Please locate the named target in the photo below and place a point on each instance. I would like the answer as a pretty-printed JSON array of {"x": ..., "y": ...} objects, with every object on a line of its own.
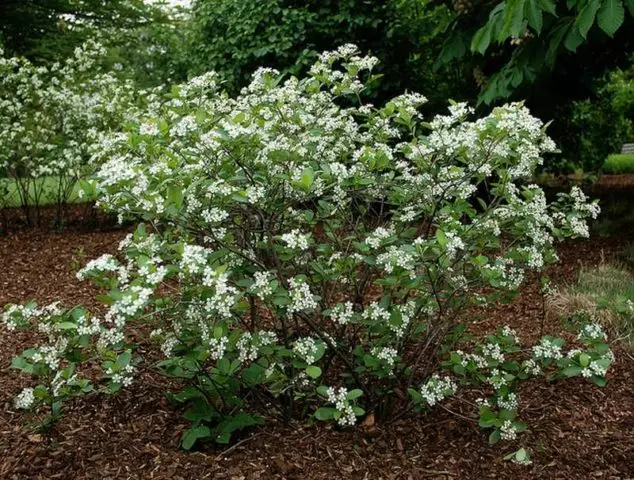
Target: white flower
[
  {"x": 342, "y": 313},
  {"x": 247, "y": 351},
  {"x": 339, "y": 398},
  {"x": 508, "y": 431},
  {"x": 437, "y": 388},
  {"x": 387, "y": 355},
  {"x": 547, "y": 349},
  {"x": 593, "y": 331},
  {"x": 296, "y": 240},
  {"x": 301, "y": 297},
  {"x": 375, "y": 238},
  {"x": 509, "y": 402},
  {"x": 262, "y": 284},
  {"x": 306, "y": 348},
  {"x": 25, "y": 399}
]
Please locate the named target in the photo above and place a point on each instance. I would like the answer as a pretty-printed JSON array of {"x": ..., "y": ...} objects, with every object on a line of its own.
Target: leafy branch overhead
[{"x": 519, "y": 40}]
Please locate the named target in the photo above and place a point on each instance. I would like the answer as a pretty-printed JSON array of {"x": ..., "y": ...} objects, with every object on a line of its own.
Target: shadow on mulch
[{"x": 576, "y": 429}]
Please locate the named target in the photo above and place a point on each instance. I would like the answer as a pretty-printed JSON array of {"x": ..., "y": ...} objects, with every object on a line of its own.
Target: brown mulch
[{"x": 576, "y": 430}]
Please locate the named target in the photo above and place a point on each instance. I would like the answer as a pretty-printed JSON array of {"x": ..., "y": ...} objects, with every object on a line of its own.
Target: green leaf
[
  {"x": 307, "y": 178},
  {"x": 441, "y": 238},
  {"x": 482, "y": 39},
  {"x": 495, "y": 437},
  {"x": 534, "y": 15},
  {"x": 240, "y": 421},
  {"x": 513, "y": 20},
  {"x": 584, "y": 360},
  {"x": 571, "y": 371},
  {"x": 325, "y": 413},
  {"x": 358, "y": 411},
  {"x": 585, "y": 20},
  {"x": 199, "y": 411},
  {"x": 66, "y": 326},
  {"x": 573, "y": 40},
  {"x": 611, "y": 16},
  {"x": 548, "y": 6},
  {"x": 322, "y": 390},
  {"x": 415, "y": 394},
  {"x": 313, "y": 371},
  {"x": 124, "y": 359},
  {"x": 555, "y": 40},
  {"x": 354, "y": 394},
  {"x": 630, "y": 6},
  {"x": 175, "y": 196},
  {"x": 487, "y": 418},
  {"x": 192, "y": 435}
]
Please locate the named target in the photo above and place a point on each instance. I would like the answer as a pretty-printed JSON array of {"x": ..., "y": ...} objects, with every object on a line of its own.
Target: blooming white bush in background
[
  {"x": 300, "y": 247},
  {"x": 53, "y": 119}
]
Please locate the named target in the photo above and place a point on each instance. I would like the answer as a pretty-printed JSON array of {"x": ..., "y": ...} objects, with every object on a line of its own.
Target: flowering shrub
[
  {"x": 306, "y": 251},
  {"x": 52, "y": 119}
]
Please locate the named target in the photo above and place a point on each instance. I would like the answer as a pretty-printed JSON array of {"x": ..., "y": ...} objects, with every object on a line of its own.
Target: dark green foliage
[
  {"x": 591, "y": 129},
  {"x": 234, "y": 37},
  {"x": 49, "y": 30},
  {"x": 522, "y": 42}
]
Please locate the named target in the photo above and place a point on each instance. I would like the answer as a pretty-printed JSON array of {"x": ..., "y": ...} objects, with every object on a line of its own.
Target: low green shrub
[{"x": 619, "y": 163}]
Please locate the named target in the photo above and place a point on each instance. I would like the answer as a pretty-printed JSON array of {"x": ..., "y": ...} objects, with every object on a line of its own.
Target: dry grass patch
[{"x": 607, "y": 291}]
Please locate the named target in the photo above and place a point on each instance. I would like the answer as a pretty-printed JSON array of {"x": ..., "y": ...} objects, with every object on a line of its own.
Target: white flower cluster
[
  {"x": 375, "y": 238},
  {"x": 531, "y": 367},
  {"x": 105, "y": 263},
  {"x": 339, "y": 397},
  {"x": 509, "y": 332},
  {"x": 508, "y": 431},
  {"x": 594, "y": 368},
  {"x": 547, "y": 349},
  {"x": 388, "y": 355},
  {"x": 454, "y": 244},
  {"x": 593, "y": 331},
  {"x": 342, "y": 313},
  {"x": 509, "y": 402},
  {"x": 194, "y": 259},
  {"x": 53, "y": 119},
  {"x": 493, "y": 351},
  {"x": 123, "y": 377},
  {"x": 301, "y": 297},
  {"x": 398, "y": 257},
  {"x": 296, "y": 239},
  {"x": 25, "y": 399},
  {"x": 437, "y": 389},
  {"x": 262, "y": 284},
  {"x": 306, "y": 348},
  {"x": 18, "y": 313},
  {"x": 247, "y": 349},
  {"x": 217, "y": 347}
]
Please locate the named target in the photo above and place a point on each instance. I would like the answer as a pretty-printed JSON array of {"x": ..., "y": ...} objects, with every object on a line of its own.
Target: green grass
[
  {"x": 619, "y": 163},
  {"x": 11, "y": 197},
  {"x": 608, "y": 292}
]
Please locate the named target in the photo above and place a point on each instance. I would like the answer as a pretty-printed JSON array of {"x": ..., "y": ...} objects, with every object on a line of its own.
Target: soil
[{"x": 576, "y": 430}]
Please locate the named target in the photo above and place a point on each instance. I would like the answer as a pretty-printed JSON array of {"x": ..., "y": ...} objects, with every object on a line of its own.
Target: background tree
[
  {"x": 49, "y": 30},
  {"x": 520, "y": 45},
  {"x": 234, "y": 37}
]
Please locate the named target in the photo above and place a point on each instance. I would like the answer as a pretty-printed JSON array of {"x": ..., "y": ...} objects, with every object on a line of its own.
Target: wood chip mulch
[{"x": 576, "y": 430}]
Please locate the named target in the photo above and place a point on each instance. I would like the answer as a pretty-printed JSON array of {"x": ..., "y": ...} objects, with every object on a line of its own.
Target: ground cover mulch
[{"x": 576, "y": 430}]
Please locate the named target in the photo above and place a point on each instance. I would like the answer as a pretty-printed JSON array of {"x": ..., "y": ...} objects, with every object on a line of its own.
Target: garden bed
[{"x": 576, "y": 429}]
